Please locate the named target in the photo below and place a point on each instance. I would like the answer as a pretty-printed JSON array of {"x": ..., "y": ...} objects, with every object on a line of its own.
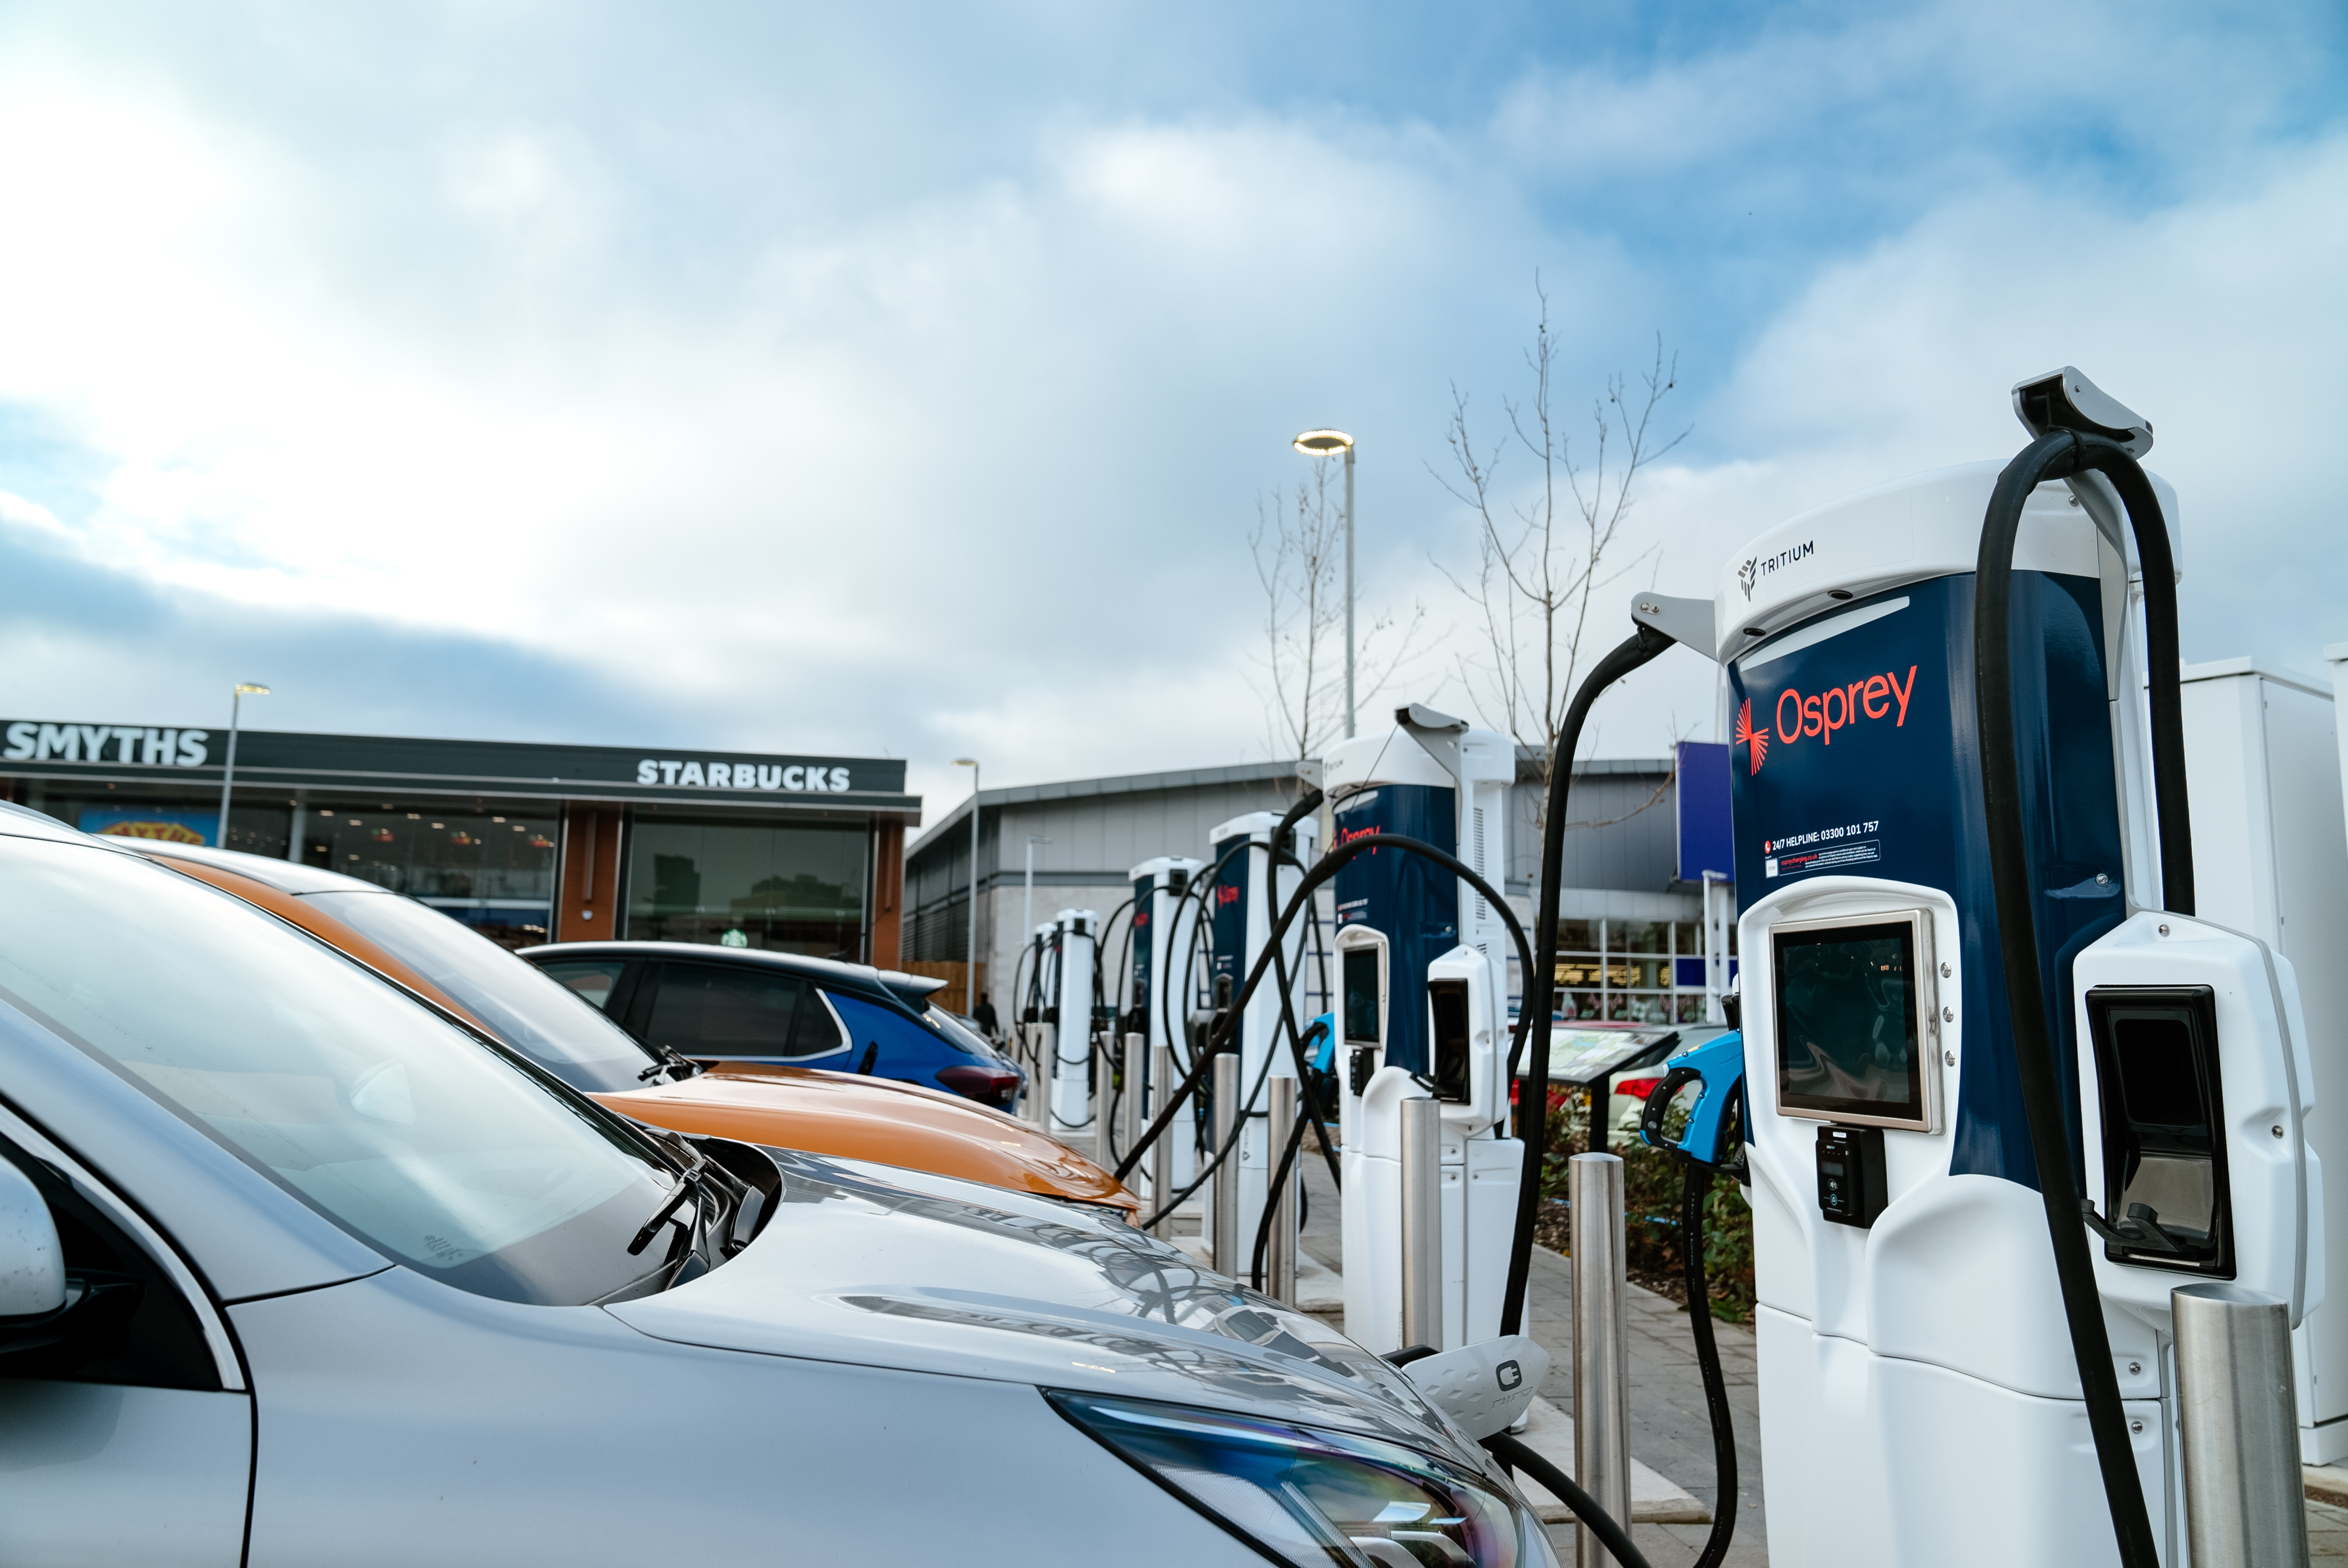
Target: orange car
[{"x": 821, "y": 1112}]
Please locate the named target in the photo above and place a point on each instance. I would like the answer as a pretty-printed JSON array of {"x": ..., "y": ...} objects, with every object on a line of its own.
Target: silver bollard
[
  {"x": 1280, "y": 1247},
  {"x": 2239, "y": 1417},
  {"x": 1131, "y": 1118},
  {"x": 1104, "y": 1093},
  {"x": 1225, "y": 1231},
  {"x": 1422, "y": 1222},
  {"x": 1602, "y": 1352},
  {"x": 1162, "y": 1080}
]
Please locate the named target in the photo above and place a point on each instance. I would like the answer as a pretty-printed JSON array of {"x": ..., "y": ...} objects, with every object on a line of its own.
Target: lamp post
[
  {"x": 970, "y": 970},
  {"x": 1027, "y": 925},
  {"x": 1322, "y": 443},
  {"x": 228, "y": 771}
]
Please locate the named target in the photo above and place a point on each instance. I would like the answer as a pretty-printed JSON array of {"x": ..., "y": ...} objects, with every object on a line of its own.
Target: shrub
[{"x": 1652, "y": 1192}]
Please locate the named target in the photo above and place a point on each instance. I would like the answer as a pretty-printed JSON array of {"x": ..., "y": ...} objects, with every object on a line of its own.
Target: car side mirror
[{"x": 32, "y": 1259}]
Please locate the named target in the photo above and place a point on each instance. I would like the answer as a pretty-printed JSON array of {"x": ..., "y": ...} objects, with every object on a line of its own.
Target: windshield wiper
[
  {"x": 678, "y": 1068},
  {"x": 718, "y": 1196}
]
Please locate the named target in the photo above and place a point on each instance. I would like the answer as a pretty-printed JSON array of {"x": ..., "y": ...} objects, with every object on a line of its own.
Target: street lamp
[
  {"x": 970, "y": 970},
  {"x": 1324, "y": 443},
  {"x": 1027, "y": 926},
  {"x": 228, "y": 773}
]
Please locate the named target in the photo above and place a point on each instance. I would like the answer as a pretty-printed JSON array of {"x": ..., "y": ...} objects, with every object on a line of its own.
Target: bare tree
[
  {"x": 1299, "y": 544},
  {"x": 1545, "y": 551}
]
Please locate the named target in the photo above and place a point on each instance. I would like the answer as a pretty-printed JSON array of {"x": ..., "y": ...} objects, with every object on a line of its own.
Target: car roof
[
  {"x": 286, "y": 876},
  {"x": 830, "y": 968},
  {"x": 24, "y": 822}
]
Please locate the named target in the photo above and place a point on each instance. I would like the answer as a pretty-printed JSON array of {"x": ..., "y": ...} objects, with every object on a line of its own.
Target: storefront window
[
  {"x": 493, "y": 870},
  {"x": 256, "y": 825},
  {"x": 784, "y": 889}
]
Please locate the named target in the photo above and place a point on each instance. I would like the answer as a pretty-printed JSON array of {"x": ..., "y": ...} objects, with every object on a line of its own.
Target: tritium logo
[{"x": 1756, "y": 568}]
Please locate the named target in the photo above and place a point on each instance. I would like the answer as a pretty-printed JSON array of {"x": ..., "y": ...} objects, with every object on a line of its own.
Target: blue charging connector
[{"x": 1719, "y": 1065}]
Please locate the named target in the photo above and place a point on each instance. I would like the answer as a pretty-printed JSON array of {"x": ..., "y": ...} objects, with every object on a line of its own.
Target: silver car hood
[{"x": 881, "y": 1267}]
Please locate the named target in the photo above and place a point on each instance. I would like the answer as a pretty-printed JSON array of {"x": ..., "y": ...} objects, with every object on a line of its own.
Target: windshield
[
  {"x": 535, "y": 1015},
  {"x": 426, "y": 1144}
]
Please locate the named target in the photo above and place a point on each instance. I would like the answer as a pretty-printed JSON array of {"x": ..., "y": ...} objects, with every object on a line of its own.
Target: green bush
[{"x": 1652, "y": 1192}]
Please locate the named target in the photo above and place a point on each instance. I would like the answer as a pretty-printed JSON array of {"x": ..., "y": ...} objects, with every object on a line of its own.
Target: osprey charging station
[
  {"x": 1166, "y": 978},
  {"x": 1421, "y": 1014},
  {"x": 1257, "y": 879},
  {"x": 2003, "y": 1092}
]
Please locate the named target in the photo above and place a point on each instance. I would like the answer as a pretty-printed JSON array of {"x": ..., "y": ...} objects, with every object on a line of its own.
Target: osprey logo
[
  {"x": 1746, "y": 735},
  {"x": 1756, "y": 568}
]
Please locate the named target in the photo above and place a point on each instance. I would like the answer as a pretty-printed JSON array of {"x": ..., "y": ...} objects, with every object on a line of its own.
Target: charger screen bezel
[{"x": 1921, "y": 1112}]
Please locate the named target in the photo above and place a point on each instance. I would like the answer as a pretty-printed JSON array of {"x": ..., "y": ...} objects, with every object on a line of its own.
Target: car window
[
  {"x": 818, "y": 1027},
  {"x": 739, "y": 1010},
  {"x": 521, "y": 1007},
  {"x": 960, "y": 1033},
  {"x": 591, "y": 980},
  {"x": 430, "y": 1146}
]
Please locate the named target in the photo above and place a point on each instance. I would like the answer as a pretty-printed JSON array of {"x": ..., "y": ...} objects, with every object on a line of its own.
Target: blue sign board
[{"x": 1707, "y": 833}]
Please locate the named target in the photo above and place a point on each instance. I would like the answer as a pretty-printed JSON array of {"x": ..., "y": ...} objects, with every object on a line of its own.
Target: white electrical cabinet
[{"x": 2263, "y": 762}]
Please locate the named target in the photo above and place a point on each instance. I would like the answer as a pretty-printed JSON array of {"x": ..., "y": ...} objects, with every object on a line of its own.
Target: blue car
[{"x": 733, "y": 1005}]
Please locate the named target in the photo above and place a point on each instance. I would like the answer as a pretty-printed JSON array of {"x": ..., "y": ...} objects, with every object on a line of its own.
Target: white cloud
[{"x": 958, "y": 455}]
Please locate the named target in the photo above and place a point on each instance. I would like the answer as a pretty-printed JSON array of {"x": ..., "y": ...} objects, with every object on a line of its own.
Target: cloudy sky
[{"x": 903, "y": 381}]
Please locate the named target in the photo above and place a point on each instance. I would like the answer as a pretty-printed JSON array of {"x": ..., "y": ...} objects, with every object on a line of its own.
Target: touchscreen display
[
  {"x": 1847, "y": 1024},
  {"x": 1362, "y": 995}
]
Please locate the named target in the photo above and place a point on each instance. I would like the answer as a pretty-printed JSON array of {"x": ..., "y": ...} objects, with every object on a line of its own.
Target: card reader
[{"x": 1850, "y": 1174}]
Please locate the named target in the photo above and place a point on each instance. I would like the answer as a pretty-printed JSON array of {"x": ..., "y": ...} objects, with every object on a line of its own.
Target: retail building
[
  {"x": 1630, "y": 932},
  {"x": 529, "y": 843}
]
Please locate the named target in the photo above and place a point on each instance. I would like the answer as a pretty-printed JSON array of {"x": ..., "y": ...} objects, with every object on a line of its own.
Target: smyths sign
[{"x": 32, "y": 742}]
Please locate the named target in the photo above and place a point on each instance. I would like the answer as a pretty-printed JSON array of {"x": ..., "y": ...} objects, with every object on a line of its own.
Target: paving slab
[{"x": 1549, "y": 1432}]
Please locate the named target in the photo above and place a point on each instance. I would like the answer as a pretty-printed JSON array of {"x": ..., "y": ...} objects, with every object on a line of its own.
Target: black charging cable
[
  {"x": 1517, "y": 1454},
  {"x": 2055, "y": 456},
  {"x": 1541, "y": 973}
]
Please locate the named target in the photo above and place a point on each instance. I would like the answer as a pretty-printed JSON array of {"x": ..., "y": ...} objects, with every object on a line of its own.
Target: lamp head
[
  {"x": 965, "y": 761},
  {"x": 1323, "y": 443},
  {"x": 251, "y": 689}
]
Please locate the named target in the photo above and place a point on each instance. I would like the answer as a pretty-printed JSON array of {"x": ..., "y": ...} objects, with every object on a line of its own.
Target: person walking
[{"x": 983, "y": 1016}]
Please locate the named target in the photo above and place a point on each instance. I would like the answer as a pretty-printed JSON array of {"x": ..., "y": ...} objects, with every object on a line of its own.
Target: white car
[{"x": 294, "y": 1271}]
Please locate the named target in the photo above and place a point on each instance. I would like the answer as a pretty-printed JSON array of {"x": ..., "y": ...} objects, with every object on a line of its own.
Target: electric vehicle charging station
[
  {"x": 1255, "y": 883},
  {"x": 1964, "y": 867},
  {"x": 1164, "y": 930},
  {"x": 1074, "y": 951},
  {"x": 1421, "y": 1013}
]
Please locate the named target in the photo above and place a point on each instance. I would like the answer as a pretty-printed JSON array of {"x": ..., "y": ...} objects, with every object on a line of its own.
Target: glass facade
[
  {"x": 493, "y": 870},
  {"x": 1632, "y": 971},
  {"x": 797, "y": 889}
]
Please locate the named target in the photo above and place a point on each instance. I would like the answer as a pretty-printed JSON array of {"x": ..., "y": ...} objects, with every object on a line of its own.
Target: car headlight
[{"x": 1311, "y": 1497}]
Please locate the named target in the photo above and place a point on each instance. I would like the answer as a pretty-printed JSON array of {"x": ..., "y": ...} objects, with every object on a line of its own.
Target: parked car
[
  {"x": 790, "y": 1107},
  {"x": 744, "y": 1005},
  {"x": 295, "y": 1270}
]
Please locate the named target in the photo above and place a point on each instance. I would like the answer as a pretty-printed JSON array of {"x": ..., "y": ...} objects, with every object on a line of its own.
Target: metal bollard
[
  {"x": 2239, "y": 1417},
  {"x": 1103, "y": 1093},
  {"x": 1602, "y": 1355},
  {"x": 1039, "y": 1064},
  {"x": 1225, "y": 1230},
  {"x": 1422, "y": 1222},
  {"x": 1132, "y": 1116},
  {"x": 1280, "y": 1247},
  {"x": 1162, "y": 1080}
]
